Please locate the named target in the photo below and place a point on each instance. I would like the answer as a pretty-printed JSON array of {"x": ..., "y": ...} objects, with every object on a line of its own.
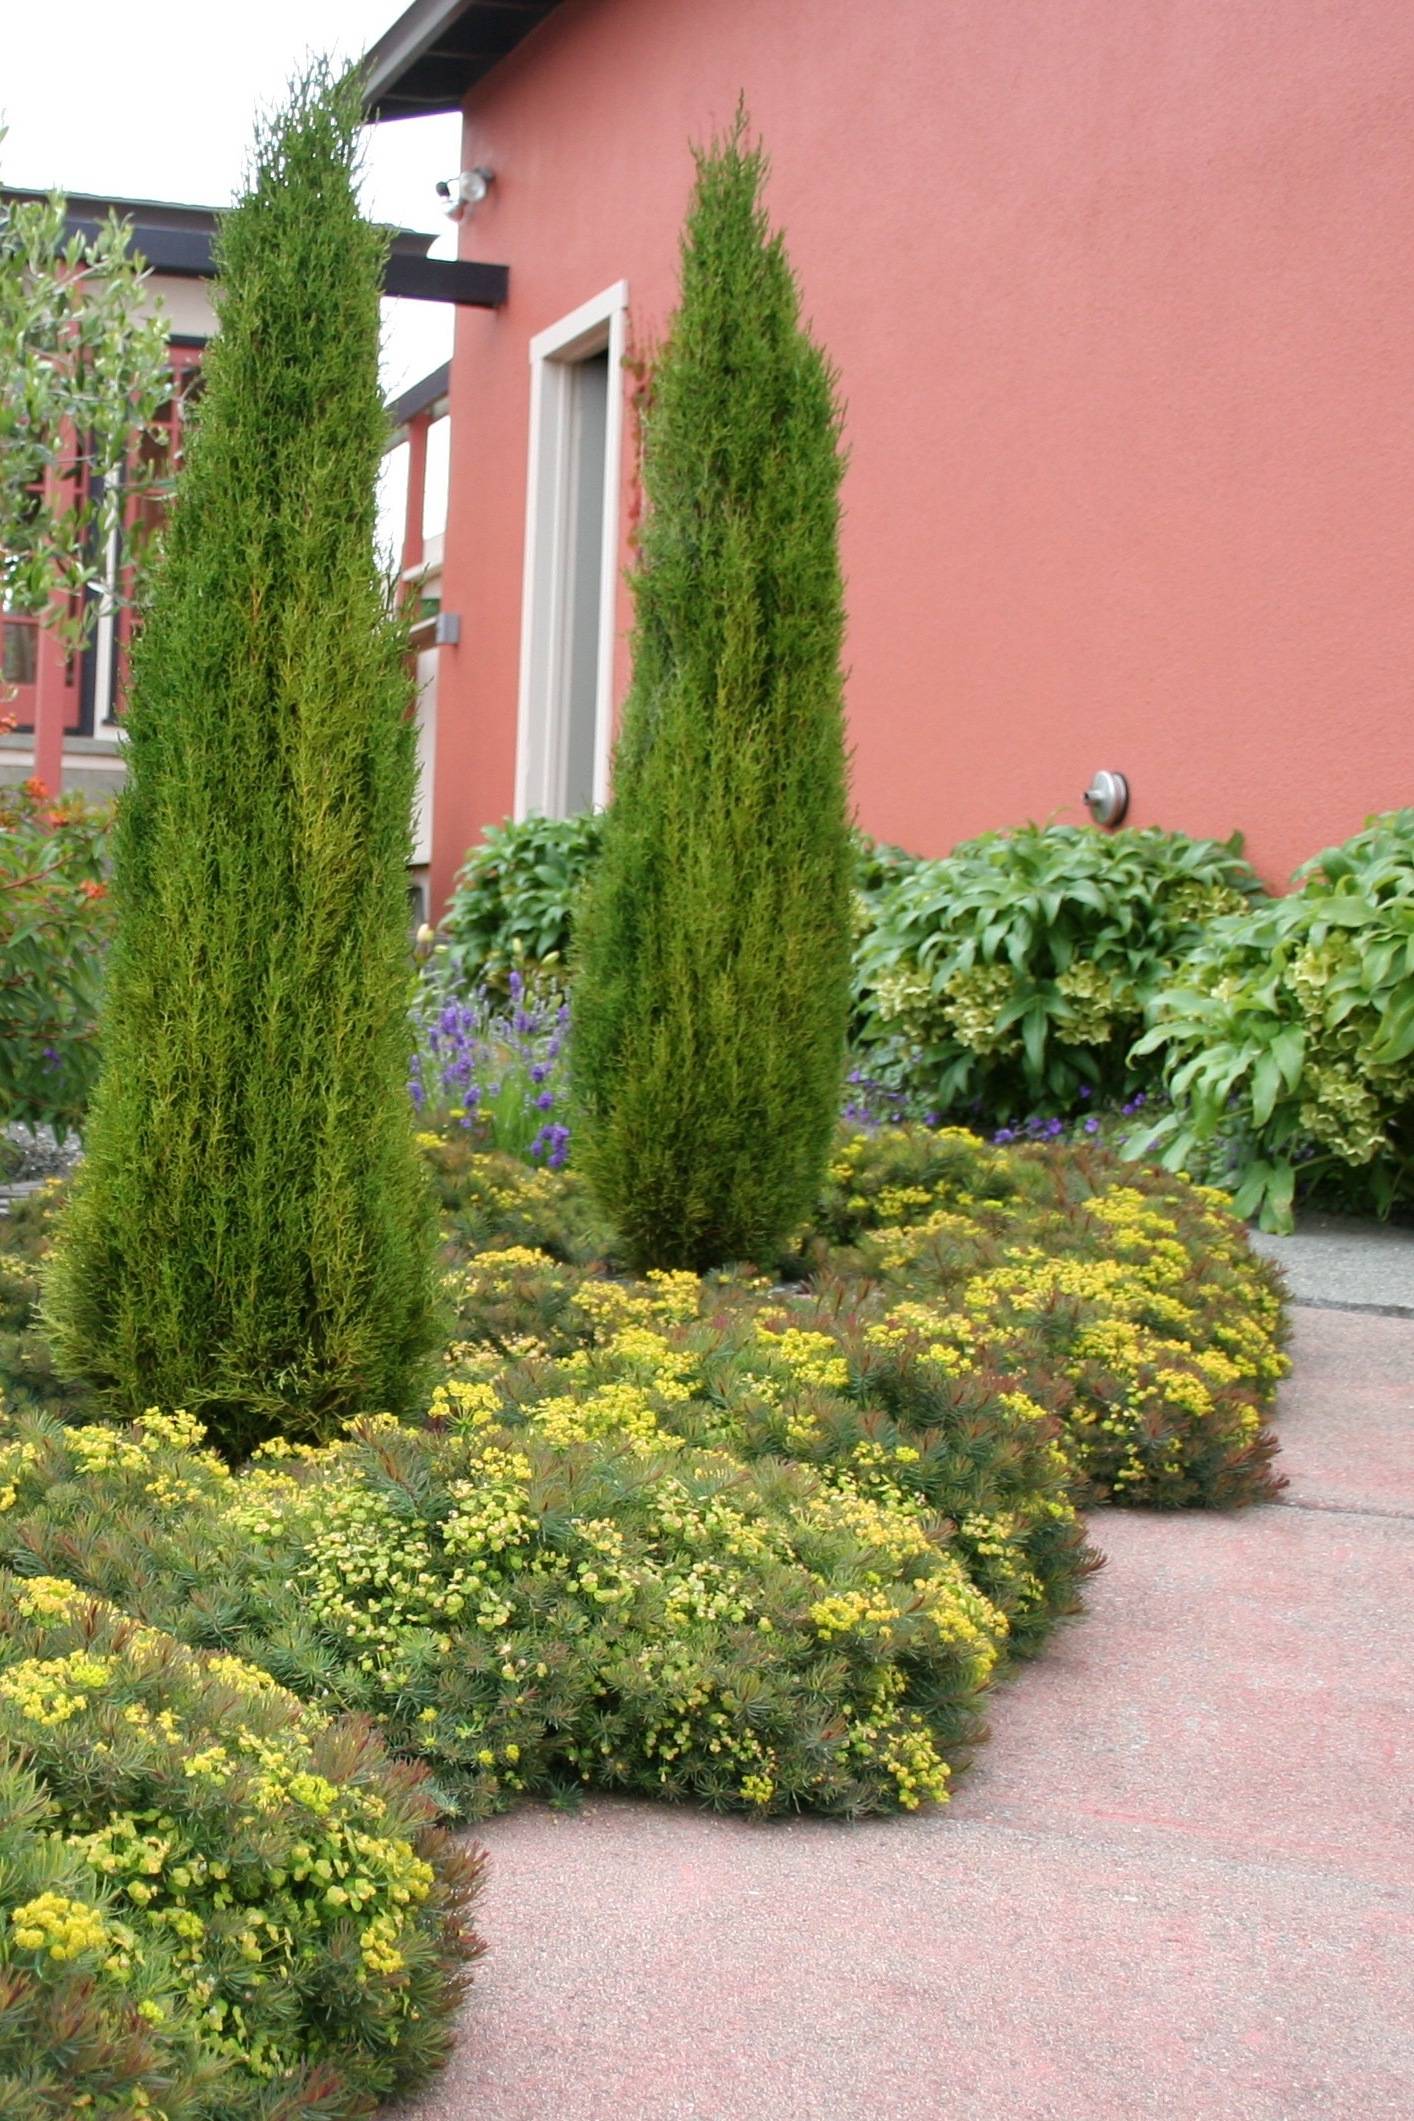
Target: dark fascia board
[
  {"x": 438, "y": 49},
  {"x": 185, "y": 253},
  {"x": 421, "y": 395},
  {"x": 86, "y": 211}
]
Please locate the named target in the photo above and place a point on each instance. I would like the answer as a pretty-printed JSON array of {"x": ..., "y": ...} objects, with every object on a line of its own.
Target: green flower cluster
[
  {"x": 247, "y": 1902},
  {"x": 1293, "y": 1027}
]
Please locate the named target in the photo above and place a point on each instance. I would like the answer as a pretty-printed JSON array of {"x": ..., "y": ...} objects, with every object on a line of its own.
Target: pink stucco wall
[{"x": 1122, "y": 300}]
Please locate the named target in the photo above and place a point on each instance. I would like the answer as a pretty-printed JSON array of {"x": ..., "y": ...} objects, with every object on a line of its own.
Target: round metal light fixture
[{"x": 1107, "y": 798}]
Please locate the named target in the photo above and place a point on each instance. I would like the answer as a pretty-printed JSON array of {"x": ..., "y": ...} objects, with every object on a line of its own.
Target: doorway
[{"x": 571, "y": 561}]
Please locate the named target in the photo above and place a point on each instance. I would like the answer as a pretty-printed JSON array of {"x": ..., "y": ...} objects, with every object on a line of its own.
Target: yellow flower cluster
[
  {"x": 49, "y": 1690},
  {"x": 60, "y": 1927}
]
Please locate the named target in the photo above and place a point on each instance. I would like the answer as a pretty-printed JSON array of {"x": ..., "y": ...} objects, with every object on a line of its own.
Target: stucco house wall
[{"x": 1121, "y": 303}]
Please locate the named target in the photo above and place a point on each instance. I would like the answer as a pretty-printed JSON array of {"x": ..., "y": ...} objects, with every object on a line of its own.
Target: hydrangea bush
[{"x": 245, "y": 1906}]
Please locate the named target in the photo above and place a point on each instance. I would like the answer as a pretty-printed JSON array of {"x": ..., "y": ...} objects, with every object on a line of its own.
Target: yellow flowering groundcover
[
  {"x": 215, "y": 1901},
  {"x": 761, "y": 1539}
]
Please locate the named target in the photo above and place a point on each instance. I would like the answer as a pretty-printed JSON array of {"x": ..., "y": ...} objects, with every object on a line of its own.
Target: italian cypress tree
[
  {"x": 251, "y": 1236},
  {"x": 714, "y": 944}
]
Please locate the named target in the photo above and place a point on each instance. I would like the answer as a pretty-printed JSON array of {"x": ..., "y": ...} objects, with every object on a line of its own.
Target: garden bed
[{"x": 762, "y": 1540}]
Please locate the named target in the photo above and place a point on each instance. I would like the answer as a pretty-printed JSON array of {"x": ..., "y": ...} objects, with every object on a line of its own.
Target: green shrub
[
  {"x": 714, "y": 937},
  {"x": 55, "y": 921},
  {"x": 512, "y": 908},
  {"x": 1166, "y": 1409},
  {"x": 1125, "y": 1301},
  {"x": 79, "y": 2032},
  {"x": 251, "y": 1233},
  {"x": 214, "y": 1889},
  {"x": 1012, "y": 975},
  {"x": 550, "y": 1585},
  {"x": 759, "y": 1544},
  {"x": 1292, "y": 1024}
]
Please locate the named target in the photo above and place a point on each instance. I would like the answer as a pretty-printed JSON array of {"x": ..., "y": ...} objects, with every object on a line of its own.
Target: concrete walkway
[
  {"x": 1339, "y": 1262},
  {"x": 1179, "y": 1882}
]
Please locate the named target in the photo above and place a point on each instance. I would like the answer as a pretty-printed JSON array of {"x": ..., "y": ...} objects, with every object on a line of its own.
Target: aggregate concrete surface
[
  {"x": 1179, "y": 1881},
  {"x": 1340, "y": 1261}
]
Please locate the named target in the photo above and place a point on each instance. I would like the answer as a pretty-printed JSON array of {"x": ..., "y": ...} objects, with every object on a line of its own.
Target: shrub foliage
[
  {"x": 714, "y": 938},
  {"x": 764, "y": 1545},
  {"x": 514, "y": 903},
  {"x": 1293, "y": 1025},
  {"x": 1013, "y": 973},
  {"x": 55, "y": 919},
  {"x": 250, "y": 1235},
  {"x": 216, "y": 1903}
]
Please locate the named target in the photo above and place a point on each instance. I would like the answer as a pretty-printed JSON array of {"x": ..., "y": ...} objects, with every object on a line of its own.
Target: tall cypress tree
[
  {"x": 714, "y": 947},
  {"x": 251, "y": 1235}
]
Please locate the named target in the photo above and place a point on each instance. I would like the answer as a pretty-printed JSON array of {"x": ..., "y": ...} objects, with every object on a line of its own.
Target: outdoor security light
[{"x": 465, "y": 191}]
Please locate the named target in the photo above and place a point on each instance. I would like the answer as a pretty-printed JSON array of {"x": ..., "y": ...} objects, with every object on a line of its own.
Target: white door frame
[{"x": 597, "y": 326}]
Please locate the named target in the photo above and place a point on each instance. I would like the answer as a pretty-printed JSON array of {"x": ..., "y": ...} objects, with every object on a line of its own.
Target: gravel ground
[
  {"x": 29, "y": 1153},
  {"x": 1179, "y": 1881}
]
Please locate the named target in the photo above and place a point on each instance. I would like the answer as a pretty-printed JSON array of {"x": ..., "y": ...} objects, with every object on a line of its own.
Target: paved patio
[{"x": 1178, "y": 1882}]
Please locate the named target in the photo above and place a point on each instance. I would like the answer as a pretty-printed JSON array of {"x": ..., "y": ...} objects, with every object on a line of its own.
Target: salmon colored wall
[{"x": 1122, "y": 303}]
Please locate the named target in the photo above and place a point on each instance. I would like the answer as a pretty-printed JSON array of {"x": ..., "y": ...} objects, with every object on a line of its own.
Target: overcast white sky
[{"x": 140, "y": 99}]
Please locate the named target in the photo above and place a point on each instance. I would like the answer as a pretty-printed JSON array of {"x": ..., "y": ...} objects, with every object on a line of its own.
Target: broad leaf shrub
[
  {"x": 513, "y": 904},
  {"x": 1291, "y": 1026},
  {"x": 1013, "y": 974},
  {"x": 55, "y": 923},
  {"x": 218, "y": 1903}
]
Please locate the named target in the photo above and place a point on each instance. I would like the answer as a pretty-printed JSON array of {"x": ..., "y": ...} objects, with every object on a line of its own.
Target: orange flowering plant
[{"x": 54, "y": 927}]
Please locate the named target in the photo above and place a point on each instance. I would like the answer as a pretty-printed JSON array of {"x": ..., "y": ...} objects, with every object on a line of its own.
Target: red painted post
[
  {"x": 51, "y": 694},
  {"x": 417, "y": 491},
  {"x": 53, "y": 675}
]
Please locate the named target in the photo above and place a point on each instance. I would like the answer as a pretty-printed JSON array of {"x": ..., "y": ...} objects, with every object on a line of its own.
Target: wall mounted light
[
  {"x": 1107, "y": 798},
  {"x": 466, "y": 191}
]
